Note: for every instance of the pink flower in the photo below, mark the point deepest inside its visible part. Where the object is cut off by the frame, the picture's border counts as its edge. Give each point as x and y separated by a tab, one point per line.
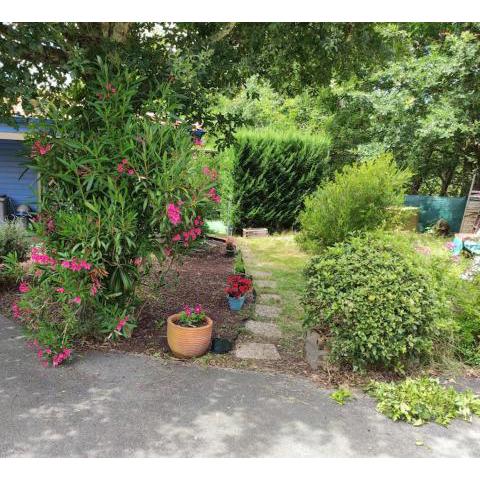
48	351
50	226
120	168
40	354
23	287
173	213
39	149
168	251
124	161
212	193
95	287
176	238
60	290
138	261
212	174
85	265
121	323
198	308
130	171
76	265
77	300
41	258
188	311
16	311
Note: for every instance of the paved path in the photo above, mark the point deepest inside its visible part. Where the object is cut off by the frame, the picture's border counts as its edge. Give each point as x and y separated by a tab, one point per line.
132	405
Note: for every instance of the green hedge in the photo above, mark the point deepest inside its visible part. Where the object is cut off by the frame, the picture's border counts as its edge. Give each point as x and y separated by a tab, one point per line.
267	175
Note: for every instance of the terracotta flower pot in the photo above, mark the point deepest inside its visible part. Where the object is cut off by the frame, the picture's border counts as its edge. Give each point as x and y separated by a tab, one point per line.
187	342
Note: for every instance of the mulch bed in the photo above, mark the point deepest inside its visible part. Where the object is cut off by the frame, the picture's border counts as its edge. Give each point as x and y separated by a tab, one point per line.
199	278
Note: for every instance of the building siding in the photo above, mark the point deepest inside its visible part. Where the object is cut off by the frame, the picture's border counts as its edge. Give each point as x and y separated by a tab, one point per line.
20	190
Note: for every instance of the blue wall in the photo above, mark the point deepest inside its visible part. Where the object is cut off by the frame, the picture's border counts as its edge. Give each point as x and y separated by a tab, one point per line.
11	168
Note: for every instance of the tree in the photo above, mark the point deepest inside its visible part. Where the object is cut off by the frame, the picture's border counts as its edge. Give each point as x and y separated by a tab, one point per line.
423	108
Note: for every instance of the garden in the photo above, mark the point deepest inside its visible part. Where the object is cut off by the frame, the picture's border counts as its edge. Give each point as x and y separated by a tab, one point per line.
142	237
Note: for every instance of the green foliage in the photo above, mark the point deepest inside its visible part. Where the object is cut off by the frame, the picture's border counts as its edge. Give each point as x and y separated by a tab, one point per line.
423	400
192	317
238	265
341	396
14	239
268	174
377	304
402	218
464	301
258	105
11	270
422	107
356	200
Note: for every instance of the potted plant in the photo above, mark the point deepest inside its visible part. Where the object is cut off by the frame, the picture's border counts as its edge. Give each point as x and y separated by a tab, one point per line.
189	333
230	247
237	287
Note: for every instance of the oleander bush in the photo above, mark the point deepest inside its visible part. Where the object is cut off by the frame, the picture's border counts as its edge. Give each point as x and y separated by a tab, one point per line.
356	200
378	304
119	187
268	173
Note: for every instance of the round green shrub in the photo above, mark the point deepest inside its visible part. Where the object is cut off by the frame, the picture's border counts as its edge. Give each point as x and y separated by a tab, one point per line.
356	200
374	301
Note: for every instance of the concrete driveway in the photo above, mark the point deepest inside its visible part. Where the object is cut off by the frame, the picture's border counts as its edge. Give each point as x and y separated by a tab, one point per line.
122	405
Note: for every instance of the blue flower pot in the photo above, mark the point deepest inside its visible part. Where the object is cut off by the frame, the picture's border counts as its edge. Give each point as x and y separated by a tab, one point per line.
236	304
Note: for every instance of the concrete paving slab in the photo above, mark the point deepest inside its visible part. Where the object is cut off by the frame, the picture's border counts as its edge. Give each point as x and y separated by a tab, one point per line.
258	274
265	284
267	311
266	298
257	351
263	329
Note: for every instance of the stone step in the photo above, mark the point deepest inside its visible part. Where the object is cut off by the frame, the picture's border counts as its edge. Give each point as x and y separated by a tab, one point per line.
257	351
268	298
260	274
267	311
263	329
266	284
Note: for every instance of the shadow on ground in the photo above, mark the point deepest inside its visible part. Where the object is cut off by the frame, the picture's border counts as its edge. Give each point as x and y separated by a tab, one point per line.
125	405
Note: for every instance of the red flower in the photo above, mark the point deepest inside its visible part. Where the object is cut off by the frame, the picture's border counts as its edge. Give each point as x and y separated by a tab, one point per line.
237	286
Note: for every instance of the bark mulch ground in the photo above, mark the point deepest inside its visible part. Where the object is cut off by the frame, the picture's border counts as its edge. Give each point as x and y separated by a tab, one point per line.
199	278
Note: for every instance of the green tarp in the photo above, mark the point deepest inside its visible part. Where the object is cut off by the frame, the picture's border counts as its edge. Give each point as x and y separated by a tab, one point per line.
433	209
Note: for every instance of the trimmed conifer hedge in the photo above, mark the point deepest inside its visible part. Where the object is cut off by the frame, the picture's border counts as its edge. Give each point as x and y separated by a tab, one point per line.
268	173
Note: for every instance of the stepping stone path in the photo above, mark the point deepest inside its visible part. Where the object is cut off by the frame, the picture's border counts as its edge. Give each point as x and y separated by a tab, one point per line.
257	351
264	310
266	283
266	298
263	329
267	311
261	275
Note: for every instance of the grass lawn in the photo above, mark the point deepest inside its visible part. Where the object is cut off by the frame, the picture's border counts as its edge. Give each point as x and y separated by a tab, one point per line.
280	255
